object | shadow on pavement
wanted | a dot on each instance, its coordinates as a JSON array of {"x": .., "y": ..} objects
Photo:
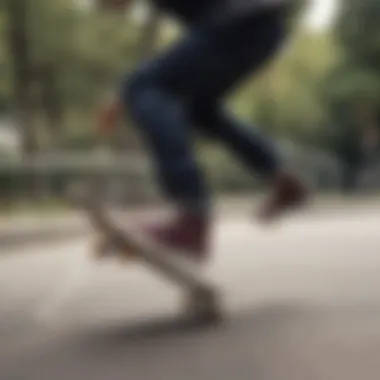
[
  {"x": 278, "y": 342},
  {"x": 180, "y": 327}
]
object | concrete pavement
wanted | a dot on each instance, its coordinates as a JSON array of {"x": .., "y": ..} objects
[
  {"x": 22, "y": 230},
  {"x": 302, "y": 300}
]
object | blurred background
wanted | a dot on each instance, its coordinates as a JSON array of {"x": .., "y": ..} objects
[
  {"x": 320, "y": 100},
  {"x": 301, "y": 298}
]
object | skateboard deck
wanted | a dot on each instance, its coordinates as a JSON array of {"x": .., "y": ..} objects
[{"x": 201, "y": 297}]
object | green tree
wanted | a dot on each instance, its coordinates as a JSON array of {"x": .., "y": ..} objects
[
  {"x": 352, "y": 88},
  {"x": 286, "y": 98}
]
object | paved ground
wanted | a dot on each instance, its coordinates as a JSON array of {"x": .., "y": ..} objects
[
  {"x": 24, "y": 229},
  {"x": 303, "y": 301}
]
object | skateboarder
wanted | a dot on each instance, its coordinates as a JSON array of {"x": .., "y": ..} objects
[{"x": 182, "y": 90}]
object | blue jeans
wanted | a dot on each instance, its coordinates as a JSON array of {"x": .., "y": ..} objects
[{"x": 180, "y": 92}]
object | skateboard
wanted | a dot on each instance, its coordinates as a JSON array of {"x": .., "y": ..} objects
[{"x": 201, "y": 301}]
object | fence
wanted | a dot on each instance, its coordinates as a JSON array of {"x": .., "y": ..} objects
[{"x": 129, "y": 178}]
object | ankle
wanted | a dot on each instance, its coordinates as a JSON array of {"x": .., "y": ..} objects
[
  {"x": 286, "y": 178},
  {"x": 201, "y": 211}
]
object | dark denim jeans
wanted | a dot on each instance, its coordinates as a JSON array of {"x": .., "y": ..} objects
[{"x": 180, "y": 92}]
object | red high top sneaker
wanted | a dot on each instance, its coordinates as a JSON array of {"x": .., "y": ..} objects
[
  {"x": 188, "y": 233},
  {"x": 288, "y": 194}
]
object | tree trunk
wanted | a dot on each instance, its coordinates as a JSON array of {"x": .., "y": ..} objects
[
  {"x": 23, "y": 101},
  {"x": 22, "y": 72},
  {"x": 51, "y": 103}
]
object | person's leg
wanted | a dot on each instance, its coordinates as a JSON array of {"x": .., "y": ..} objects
[
  {"x": 162, "y": 121},
  {"x": 254, "y": 150},
  {"x": 246, "y": 142},
  {"x": 257, "y": 39},
  {"x": 211, "y": 59},
  {"x": 156, "y": 98},
  {"x": 206, "y": 64}
]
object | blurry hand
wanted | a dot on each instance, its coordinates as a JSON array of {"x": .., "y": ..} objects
[{"x": 109, "y": 114}]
